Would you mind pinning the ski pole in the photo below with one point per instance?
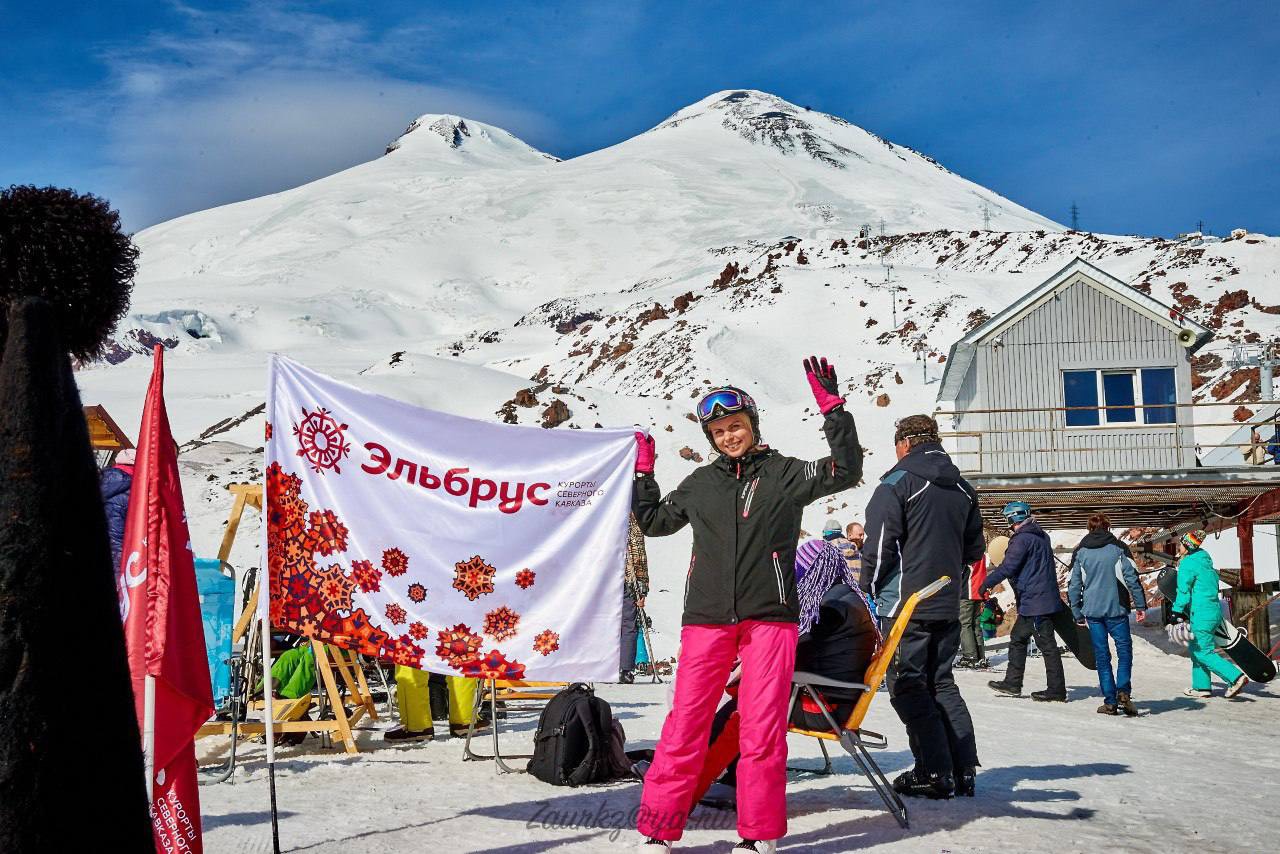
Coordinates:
(644, 629)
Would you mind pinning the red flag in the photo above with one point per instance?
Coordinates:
(160, 606)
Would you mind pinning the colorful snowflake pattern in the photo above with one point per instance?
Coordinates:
(395, 562)
(322, 440)
(269, 431)
(501, 623)
(334, 588)
(366, 575)
(458, 645)
(328, 534)
(316, 601)
(546, 642)
(492, 665)
(473, 578)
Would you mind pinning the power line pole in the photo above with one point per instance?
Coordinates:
(1075, 217)
(1200, 226)
(986, 217)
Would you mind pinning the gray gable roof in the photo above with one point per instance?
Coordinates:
(962, 352)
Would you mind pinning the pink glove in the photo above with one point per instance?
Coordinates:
(645, 453)
(822, 381)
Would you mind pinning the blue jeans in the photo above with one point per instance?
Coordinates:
(1118, 629)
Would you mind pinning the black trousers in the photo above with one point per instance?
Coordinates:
(924, 693)
(1046, 642)
(630, 630)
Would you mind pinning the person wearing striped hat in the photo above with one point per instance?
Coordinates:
(1197, 605)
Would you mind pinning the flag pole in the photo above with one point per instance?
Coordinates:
(149, 735)
(264, 615)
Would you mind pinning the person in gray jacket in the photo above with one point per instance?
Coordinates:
(1103, 589)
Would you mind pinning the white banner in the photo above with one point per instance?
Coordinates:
(444, 543)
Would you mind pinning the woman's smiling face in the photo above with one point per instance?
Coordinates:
(732, 434)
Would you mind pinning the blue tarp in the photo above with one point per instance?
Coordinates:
(218, 613)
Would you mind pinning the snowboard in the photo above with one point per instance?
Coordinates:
(1077, 638)
(1232, 640)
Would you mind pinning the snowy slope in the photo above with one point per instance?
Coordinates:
(464, 267)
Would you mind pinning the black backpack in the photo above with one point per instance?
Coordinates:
(572, 744)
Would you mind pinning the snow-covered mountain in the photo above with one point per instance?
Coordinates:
(466, 271)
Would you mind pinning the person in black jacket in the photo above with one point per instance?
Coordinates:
(1028, 566)
(923, 524)
(740, 600)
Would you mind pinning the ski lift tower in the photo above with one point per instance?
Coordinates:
(1265, 359)
(889, 285)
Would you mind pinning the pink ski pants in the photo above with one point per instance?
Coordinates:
(707, 653)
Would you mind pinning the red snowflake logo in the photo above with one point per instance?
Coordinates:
(457, 645)
(395, 562)
(334, 588)
(366, 575)
(418, 631)
(492, 665)
(396, 614)
(356, 632)
(417, 592)
(501, 623)
(473, 578)
(323, 440)
(524, 578)
(329, 534)
(404, 652)
(546, 642)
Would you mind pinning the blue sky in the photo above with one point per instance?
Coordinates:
(1150, 116)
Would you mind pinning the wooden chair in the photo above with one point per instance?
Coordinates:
(506, 691)
(851, 736)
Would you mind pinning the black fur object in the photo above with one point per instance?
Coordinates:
(70, 755)
(68, 249)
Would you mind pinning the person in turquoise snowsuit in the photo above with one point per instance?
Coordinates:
(1197, 601)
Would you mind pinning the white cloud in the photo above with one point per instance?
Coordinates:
(256, 101)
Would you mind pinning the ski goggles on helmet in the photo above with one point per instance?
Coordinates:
(723, 401)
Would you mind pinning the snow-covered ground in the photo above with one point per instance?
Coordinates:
(1189, 775)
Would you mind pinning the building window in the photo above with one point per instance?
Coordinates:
(1080, 388)
(1158, 387)
(1117, 389)
(1093, 398)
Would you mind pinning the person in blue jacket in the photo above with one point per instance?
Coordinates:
(1094, 594)
(1028, 567)
(1197, 604)
(116, 483)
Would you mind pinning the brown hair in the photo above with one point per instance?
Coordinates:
(1099, 522)
(916, 430)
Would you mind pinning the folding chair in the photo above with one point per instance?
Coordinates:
(505, 691)
(851, 736)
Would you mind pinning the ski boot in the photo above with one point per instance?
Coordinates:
(627, 677)
(914, 784)
(760, 846)
(966, 785)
